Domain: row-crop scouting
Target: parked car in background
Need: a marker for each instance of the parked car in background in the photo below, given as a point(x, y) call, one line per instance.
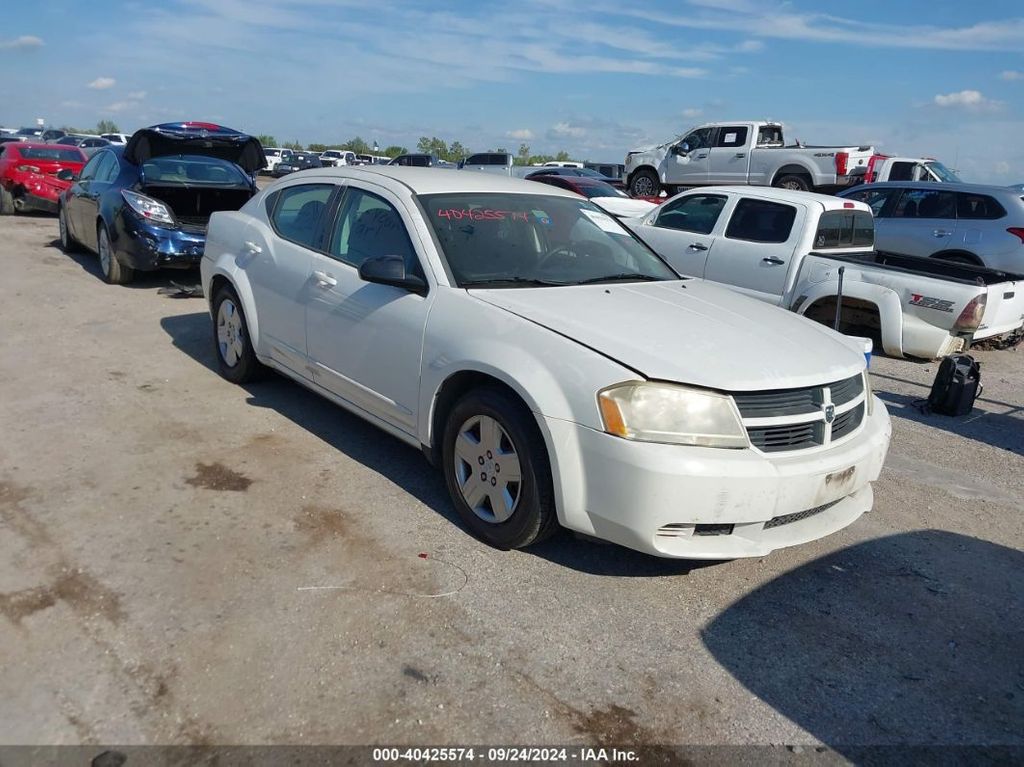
point(30, 134)
point(274, 155)
point(88, 144)
point(493, 323)
point(742, 152)
point(786, 248)
point(28, 175)
point(8, 131)
point(968, 223)
point(604, 195)
point(885, 168)
point(489, 162)
point(50, 135)
point(607, 169)
point(1018, 187)
point(561, 164)
point(11, 138)
point(575, 173)
point(336, 157)
point(116, 138)
point(421, 160)
point(146, 205)
point(296, 161)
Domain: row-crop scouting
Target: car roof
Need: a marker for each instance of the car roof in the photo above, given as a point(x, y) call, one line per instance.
point(438, 180)
point(944, 186)
point(774, 193)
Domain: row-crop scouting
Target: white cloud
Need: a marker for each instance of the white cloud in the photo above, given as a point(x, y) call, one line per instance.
point(690, 112)
point(137, 95)
point(967, 99)
point(21, 43)
point(567, 130)
point(1011, 74)
point(521, 134)
point(102, 83)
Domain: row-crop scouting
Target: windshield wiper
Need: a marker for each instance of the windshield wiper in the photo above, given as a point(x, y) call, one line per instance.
point(622, 276)
point(511, 281)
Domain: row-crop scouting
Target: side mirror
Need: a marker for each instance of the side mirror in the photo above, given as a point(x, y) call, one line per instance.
point(390, 270)
point(66, 174)
point(680, 150)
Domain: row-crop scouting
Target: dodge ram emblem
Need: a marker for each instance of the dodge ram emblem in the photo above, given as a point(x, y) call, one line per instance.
point(830, 412)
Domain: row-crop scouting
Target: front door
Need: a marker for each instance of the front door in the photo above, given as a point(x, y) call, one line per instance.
point(921, 223)
point(365, 339)
point(681, 231)
point(687, 162)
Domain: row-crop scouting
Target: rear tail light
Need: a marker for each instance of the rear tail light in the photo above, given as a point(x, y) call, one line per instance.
point(970, 317)
point(842, 158)
point(29, 169)
point(1017, 231)
point(147, 207)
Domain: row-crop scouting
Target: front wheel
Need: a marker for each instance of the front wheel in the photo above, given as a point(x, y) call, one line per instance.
point(497, 470)
point(113, 270)
point(236, 357)
point(645, 183)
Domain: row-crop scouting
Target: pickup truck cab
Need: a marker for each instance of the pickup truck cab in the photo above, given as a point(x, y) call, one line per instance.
point(787, 248)
point(742, 153)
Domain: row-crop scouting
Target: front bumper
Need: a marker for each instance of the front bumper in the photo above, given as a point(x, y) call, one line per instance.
point(146, 246)
point(653, 497)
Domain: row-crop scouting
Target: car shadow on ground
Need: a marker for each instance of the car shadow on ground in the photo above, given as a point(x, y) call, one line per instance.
point(911, 639)
point(401, 464)
point(161, 279)
point(996, 423)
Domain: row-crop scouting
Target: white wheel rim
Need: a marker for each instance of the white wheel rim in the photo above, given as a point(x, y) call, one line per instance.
point(104, 252)
point(229, 332)
point(487, 469)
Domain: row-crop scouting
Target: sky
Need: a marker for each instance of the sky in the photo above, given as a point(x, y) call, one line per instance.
point(597, 78)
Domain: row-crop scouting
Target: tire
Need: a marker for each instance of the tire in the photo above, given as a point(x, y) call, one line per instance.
point(236, 358)
point(6, 202)
point(794, 182)
point(644, 183)
point(487, 428)
point(114, 272)
point(67, 242)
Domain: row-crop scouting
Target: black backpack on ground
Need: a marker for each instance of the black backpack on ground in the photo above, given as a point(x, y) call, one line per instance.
point(956, 385)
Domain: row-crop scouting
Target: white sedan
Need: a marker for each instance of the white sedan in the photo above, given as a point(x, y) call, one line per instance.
point(555, 368)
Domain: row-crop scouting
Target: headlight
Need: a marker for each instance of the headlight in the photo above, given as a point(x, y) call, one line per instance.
point(148, 208)
point(869, 393)
point(678, 415)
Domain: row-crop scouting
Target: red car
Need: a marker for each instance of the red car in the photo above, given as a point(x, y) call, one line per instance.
point(28, 175)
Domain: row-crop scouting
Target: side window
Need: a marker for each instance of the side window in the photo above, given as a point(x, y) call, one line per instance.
point(902, 171)
point(699, 139)
point(925, 203)
point(732, 136)
point(110, 168)
point(89, 170)
point(697, 213)
point(299, 212)
point(875, 198)
point(369, 226)
point(761, 221)
point(845, 229)
point(978, 206)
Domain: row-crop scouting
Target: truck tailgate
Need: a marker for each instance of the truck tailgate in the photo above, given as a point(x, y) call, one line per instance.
point(1004, 309)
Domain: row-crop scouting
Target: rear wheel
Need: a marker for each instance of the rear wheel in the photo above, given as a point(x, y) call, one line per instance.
point(113, 270)
point(497, 470)
point(6, 202)
point(236, 357)
point(794, 182)
point(67, 242)
point(644, 183)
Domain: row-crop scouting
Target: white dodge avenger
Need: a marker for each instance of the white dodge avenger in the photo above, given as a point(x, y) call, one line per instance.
point(554, 368)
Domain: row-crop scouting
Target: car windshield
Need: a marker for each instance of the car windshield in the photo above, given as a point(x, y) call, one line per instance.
point(508, 240)
point(30, 132)
point(944, 173)
point(599, 189)
point(54, 152)
point(193, 170)
point(588, 173)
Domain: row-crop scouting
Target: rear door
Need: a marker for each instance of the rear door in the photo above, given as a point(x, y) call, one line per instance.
point(921, 222)
point(681, 231)
point(365, 339)
point(729, 158)
point(755, 253)
point(87, 202)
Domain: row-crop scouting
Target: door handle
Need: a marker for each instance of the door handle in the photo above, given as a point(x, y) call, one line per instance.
point(697, 246)
point(941, 233)
point(701, 156)
point(252, 247)
point(324, 280)
point(773, 260)
point(740, 154)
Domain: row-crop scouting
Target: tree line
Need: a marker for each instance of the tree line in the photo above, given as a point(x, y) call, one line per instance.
point(452, 152)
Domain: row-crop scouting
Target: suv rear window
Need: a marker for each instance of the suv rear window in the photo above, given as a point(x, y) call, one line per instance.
point(978, 206)
point(845, 229)
point(761, 221)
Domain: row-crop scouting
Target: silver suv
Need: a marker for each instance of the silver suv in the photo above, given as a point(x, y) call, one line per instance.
point(969, 223)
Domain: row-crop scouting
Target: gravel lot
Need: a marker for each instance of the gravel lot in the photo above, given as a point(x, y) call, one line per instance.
point(186, 561)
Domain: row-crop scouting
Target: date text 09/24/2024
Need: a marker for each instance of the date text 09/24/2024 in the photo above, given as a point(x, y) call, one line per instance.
point(502, 754)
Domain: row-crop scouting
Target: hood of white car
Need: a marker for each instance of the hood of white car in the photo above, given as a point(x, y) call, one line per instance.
point(689, 332)
point(624, 207)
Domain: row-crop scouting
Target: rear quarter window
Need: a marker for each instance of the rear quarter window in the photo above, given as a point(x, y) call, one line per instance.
point(761, 221)
point(978, 206)
point(845, 229)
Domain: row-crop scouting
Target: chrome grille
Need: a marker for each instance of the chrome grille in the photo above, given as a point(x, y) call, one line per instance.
point(784, 420)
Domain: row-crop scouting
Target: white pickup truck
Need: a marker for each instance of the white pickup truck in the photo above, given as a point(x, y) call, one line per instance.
point(742, 153)
point(885, 168)
point(787, 248)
